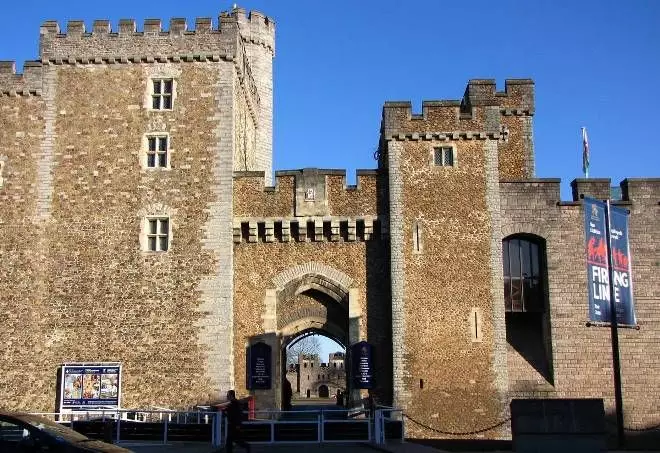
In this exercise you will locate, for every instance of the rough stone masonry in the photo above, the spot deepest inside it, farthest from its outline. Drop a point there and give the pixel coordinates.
(140, 223)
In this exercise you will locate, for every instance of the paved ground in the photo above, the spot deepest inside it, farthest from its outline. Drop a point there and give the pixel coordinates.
(304, 448)
(406, 447)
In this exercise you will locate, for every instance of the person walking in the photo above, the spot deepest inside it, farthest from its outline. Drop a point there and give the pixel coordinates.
(234, 414)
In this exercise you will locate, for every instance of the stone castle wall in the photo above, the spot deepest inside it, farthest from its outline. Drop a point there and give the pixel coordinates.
(581, 355)
(22, 319)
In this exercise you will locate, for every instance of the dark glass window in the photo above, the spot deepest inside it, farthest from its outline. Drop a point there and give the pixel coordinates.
(157, 151)
(523, 260)
(158, 235)
(443, 156)
(161, 96)
(448, 157)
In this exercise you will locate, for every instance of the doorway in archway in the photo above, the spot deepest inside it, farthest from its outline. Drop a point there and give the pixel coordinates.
(316, 365)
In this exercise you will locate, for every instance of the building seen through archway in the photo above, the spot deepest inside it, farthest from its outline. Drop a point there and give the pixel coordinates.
(310, 373)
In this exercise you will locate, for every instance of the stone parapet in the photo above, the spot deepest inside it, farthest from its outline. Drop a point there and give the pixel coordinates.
(472, 112)
(518, 95)
(545, 192)
(27, 84)
(256, 28)
(102, 41)
(641, 190)
(329, 195)
(598, 188)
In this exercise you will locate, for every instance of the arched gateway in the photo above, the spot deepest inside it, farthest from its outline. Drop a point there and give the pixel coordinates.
(307, 299)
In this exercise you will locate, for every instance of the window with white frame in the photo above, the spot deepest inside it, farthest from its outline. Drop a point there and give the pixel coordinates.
(162, 91)
(158, 151)
(443, 156)
(158, 234)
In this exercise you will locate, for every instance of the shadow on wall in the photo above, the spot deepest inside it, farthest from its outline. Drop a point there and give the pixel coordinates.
(379, 300)
(643, 438)
(525, 333)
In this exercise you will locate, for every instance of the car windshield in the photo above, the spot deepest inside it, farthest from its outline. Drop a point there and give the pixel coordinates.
(52, 428)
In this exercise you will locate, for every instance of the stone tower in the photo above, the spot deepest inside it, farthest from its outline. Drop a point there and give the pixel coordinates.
(258, 36)
(127, 141)
(444, 168)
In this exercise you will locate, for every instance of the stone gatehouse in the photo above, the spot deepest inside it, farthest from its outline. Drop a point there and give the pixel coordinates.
(140, 224)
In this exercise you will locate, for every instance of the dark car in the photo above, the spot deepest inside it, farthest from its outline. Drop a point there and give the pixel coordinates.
(31, 433)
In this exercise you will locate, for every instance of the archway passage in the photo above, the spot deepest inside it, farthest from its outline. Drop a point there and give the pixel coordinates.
(323, 391)
(313, 302)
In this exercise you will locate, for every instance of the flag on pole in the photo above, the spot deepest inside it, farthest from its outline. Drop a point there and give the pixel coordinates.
(585, 153)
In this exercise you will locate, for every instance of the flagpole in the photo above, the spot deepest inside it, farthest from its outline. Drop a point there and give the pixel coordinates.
(585, 153)
(614, 330)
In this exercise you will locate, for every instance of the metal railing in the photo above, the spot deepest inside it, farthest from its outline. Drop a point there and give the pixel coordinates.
(266, 426)
(384, 415)
(166, 417)
(323, 419)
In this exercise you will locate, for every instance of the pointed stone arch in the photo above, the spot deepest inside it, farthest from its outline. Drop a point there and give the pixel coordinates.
(334, 281)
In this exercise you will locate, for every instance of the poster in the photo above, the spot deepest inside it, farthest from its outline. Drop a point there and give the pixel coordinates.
(89, 385)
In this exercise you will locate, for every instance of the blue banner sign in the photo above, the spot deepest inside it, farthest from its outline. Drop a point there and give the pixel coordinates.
(596, 224)
(90, 385)
(621, 272)
(259, 369)
(362, 369)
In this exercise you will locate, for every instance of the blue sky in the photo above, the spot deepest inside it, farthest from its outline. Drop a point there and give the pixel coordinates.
(595, 64)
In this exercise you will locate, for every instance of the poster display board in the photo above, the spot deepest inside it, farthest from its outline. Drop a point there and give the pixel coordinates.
(89, 385)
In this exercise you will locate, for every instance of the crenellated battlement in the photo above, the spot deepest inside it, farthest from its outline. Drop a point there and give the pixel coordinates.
(516, 99)
(287, 197)
(478, 110)
(125, 41)
(643, 191)
(256, 28)
(284, 176)
(26, 84)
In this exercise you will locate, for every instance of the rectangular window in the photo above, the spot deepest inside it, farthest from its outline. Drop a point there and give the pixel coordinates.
(158, 232)
(448, 157)
(157, 151)
(161, 94)
(443, 156)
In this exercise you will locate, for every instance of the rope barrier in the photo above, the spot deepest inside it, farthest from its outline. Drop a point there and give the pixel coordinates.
(498, 424)
(456, 433)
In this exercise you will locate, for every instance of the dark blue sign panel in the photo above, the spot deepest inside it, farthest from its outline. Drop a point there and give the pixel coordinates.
(595, 225)
(598, 273)
(259, 369)
(89, 386)
(621, 272)
(362, 365)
